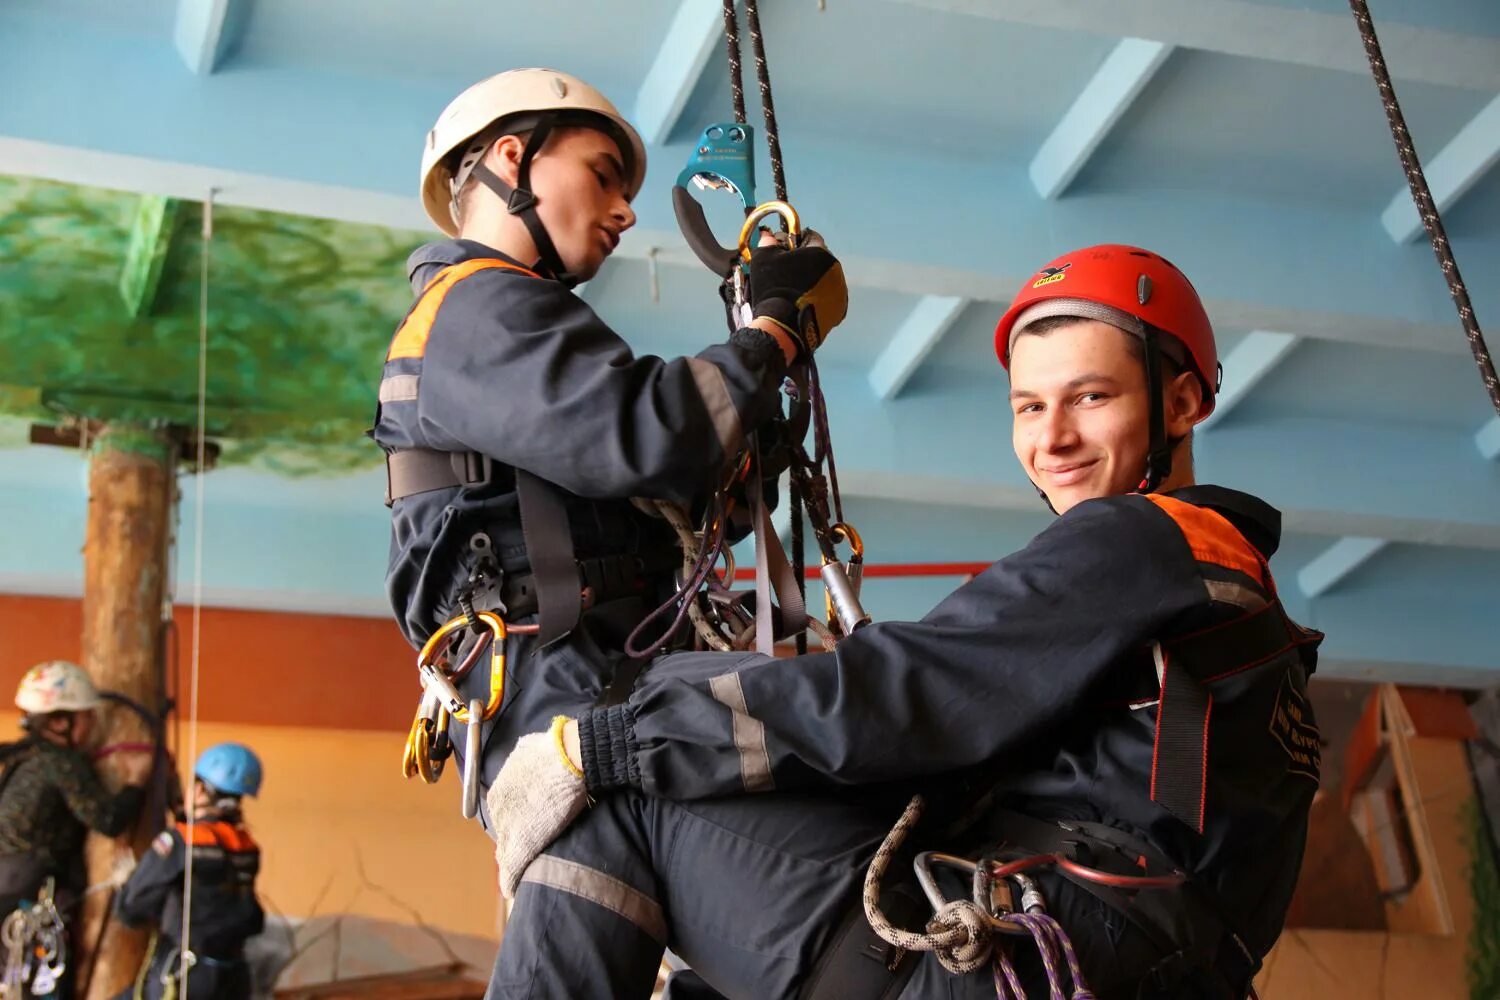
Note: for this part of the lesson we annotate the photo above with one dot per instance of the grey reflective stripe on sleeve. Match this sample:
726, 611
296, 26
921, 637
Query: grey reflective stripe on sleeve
721, 409
606, 890
1237, 594
398, 388
749, 733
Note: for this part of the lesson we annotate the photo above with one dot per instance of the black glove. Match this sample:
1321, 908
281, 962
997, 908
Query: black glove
802, 290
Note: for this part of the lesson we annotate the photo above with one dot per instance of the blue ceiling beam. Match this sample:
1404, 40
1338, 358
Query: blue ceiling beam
696, 28
1274, 32
1488, 439
206, 32
1102, 102
1337, 561
1456, 168
919, 333
288, 135
1251, 360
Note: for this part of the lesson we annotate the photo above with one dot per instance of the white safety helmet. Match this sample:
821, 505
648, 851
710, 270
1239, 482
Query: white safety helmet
56, 686
518, 99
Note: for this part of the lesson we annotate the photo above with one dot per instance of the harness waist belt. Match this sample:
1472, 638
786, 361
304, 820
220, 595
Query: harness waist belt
422, 470
600, 579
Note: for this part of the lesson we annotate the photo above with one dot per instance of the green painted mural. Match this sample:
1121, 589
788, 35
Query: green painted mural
99, 318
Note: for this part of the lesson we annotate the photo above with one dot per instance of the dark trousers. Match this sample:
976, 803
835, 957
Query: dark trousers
749, 892
207, 978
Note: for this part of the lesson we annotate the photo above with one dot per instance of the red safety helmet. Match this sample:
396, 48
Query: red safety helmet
1134, 287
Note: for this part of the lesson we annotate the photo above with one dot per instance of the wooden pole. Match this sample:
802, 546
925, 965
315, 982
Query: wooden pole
132, 497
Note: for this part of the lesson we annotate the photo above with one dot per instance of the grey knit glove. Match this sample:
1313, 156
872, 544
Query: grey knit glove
536, 795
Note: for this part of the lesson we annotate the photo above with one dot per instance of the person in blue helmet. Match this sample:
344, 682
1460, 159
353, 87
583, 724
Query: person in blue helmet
206, 942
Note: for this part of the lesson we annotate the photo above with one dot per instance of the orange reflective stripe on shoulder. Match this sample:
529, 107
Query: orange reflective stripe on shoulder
411, 336
1211, 537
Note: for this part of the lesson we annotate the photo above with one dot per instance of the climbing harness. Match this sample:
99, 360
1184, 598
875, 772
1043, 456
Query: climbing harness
36, 947
1421, 195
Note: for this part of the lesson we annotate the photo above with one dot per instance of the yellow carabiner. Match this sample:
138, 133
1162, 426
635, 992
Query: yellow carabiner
496, 625
788, 214
844, 532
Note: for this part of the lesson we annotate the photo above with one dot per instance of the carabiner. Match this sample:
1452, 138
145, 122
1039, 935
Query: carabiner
433, 676
788, 215
472, 751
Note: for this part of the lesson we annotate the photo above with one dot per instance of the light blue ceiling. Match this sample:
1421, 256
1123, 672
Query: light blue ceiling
1256, 157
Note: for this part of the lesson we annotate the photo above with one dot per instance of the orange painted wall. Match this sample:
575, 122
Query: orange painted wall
258, 667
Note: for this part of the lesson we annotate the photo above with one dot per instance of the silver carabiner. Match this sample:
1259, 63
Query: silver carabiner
472, 768
436, 684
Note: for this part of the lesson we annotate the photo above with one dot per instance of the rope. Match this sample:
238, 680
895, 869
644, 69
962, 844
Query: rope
763, 79
197, 643
958, 933
1422, 195
963, 933
736, 75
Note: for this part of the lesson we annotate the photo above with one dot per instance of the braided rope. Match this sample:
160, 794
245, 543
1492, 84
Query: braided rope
1421, 194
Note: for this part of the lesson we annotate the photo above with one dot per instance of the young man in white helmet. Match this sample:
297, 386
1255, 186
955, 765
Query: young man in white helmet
1120, 708
518, 425
50, 796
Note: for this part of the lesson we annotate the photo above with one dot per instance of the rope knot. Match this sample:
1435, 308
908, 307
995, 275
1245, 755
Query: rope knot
971, 951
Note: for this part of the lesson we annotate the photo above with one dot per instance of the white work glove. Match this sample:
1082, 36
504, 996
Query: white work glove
536, 795
121, 871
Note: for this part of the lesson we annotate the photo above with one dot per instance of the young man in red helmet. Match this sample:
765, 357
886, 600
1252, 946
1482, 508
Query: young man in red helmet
1125, 693
517, 425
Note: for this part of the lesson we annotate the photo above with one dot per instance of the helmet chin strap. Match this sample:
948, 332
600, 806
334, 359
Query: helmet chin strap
1159, 450
521, 202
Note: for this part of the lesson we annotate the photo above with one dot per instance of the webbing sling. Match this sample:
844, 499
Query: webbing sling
549, 549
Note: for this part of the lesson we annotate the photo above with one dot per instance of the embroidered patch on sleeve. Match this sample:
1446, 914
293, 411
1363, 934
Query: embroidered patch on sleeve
162, 844
1294, 727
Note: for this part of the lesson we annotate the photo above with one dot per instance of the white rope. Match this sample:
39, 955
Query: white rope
202, 432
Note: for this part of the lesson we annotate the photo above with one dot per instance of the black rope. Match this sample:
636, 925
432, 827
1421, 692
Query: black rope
799, 559
763, 78
1431, 220
736, 75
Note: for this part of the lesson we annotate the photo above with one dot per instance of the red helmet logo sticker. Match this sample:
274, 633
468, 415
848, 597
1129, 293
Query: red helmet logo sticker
1050, 275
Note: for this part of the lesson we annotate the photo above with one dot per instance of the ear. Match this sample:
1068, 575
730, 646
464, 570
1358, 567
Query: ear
504, 158
1182, 399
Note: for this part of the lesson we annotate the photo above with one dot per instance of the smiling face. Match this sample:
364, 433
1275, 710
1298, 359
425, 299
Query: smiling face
1082, 413
579, 181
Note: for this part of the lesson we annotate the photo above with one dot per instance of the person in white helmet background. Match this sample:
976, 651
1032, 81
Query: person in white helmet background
518, 425
224, 911
50, 795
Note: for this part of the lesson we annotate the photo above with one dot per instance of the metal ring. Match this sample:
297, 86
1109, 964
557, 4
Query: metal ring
788, 215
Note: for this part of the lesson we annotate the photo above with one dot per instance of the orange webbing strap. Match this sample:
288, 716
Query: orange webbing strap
234, 839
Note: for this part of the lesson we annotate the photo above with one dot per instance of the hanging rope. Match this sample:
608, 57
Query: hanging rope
768, 106
736, 75
1432, 221
201, 456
